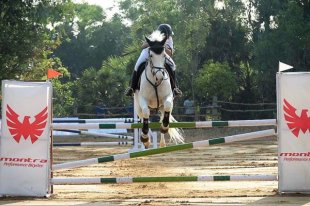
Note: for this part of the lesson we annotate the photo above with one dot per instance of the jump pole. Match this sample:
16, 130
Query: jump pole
81, 144
197, 144
85, 121
106, 180
156, 125
115, 136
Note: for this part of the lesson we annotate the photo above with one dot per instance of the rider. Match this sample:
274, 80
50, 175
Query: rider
170, 66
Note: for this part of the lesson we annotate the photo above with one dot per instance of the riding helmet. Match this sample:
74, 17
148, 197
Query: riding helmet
165, 29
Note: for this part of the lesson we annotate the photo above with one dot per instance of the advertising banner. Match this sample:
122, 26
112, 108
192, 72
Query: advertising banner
25, 138
293, 97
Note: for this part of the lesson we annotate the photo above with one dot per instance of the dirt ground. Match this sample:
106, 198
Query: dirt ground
247, 157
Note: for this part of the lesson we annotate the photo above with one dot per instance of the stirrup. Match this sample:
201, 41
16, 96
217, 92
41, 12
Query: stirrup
129, 92
177, 92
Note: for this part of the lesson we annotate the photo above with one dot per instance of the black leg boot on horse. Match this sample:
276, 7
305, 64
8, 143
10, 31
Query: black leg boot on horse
145, 139
176, 91
165, 123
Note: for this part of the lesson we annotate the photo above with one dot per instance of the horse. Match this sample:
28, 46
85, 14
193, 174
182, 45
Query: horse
155, 92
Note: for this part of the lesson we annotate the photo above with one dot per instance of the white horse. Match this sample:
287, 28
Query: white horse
155, 92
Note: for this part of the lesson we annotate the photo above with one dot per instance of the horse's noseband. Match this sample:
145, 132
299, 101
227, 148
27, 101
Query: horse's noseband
155, 70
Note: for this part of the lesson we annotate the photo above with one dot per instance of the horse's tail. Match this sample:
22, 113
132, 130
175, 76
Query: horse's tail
176, 134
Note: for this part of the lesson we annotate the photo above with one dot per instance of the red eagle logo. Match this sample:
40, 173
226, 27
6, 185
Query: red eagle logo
25, 128
295, 122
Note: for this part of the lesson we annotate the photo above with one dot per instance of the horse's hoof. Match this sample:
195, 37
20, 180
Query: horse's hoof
161, 144
163, 129
147, 144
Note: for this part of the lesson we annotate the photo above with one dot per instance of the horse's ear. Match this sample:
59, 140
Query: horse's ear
148, 41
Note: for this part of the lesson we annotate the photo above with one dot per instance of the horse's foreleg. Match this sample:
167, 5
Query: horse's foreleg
165, 123
168, 104
145, 128
144, 135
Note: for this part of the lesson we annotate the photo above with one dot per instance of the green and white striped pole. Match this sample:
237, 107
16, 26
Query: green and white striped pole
106, 180
203, 143
156, 125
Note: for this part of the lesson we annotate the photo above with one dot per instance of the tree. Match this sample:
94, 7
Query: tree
25, 37
189, 21
215, 79
91, 39
104, 87
285, 38
63, 101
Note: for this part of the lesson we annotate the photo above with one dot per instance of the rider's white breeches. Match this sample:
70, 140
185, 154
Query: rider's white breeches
145, 55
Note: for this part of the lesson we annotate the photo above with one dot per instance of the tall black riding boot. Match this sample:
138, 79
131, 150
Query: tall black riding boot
134, 84
176, 91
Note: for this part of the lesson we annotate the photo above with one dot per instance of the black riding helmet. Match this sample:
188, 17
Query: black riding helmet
165, 29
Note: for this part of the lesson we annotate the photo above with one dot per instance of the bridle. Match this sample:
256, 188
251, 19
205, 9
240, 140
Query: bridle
154, 71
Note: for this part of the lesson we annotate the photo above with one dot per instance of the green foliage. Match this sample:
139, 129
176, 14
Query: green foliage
24, 34
91, 39
247, 84
104, 87
189, 21
63, 102
287, 40
27, 41
227, 40
215, 79
113, 80
87, 88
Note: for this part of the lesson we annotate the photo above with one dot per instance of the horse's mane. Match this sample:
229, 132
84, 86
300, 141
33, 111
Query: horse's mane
156, 36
